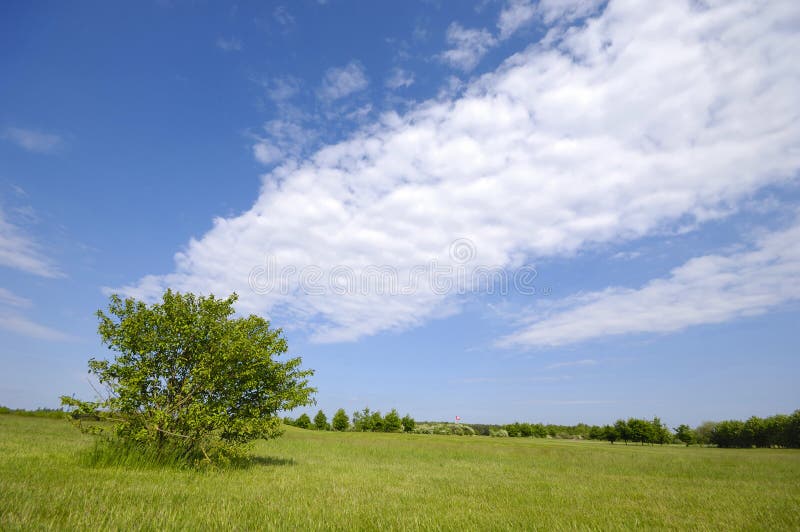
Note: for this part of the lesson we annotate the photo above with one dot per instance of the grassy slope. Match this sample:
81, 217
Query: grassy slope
309, 480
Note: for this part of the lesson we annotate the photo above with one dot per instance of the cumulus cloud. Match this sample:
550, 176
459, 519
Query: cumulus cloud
32, 140
343, 81
468, 46
708, 289
640, 119
20, 251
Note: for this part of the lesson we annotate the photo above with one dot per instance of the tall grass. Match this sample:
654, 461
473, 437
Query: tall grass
312, 480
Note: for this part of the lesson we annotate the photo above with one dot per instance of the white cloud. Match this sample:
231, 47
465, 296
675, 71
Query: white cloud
229, 45
267, 153
515, 14
708, 289
282, 139
565, 11
400, 78
11, 299
34, 141
283, 88
573, 363
19, 251
468, 46
643, 119
12, 321
343, 81
21, 325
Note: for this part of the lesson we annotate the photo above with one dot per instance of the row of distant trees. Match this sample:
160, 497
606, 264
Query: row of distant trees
774, 431
362, 421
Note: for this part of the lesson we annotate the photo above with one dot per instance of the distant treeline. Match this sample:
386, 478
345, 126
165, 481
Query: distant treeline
363, 421
775, 431
39, 412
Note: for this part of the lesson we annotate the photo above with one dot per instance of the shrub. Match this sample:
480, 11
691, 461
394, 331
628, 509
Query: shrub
188, 377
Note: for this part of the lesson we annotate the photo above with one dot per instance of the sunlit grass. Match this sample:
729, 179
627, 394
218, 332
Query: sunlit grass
308, 480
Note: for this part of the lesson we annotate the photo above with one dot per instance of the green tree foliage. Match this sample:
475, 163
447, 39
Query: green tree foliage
340, 420
623, 431
610, 433
303, 422
704, 431
321, 421
363, 421
685, 434
408, 423
189, 376
392, 422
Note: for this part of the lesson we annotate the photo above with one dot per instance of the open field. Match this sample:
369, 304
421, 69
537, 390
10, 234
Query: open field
312, 480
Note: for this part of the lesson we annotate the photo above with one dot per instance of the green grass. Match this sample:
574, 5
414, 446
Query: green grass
319, 480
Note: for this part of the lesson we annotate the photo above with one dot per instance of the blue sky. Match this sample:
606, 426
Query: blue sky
630, 172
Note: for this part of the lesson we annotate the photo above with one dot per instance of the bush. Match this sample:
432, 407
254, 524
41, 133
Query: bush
189, 377
499, 433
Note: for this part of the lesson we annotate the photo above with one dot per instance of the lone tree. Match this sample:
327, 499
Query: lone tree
189, 378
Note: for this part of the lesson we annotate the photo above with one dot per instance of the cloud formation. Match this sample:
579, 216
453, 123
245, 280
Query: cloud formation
34, 141
19, 251
400, 78
708, 289
343, 81
639, 119
467, 46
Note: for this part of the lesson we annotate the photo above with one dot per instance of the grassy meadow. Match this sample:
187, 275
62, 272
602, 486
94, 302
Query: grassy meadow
327, 480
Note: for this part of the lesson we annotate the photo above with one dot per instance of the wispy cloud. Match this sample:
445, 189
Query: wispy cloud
282, 88
708, 289
230, 45
343, 81
20, 251
400, 78
11, 320
517, 14
34, 141
572, 364
9, 298
282, 16
512, 380
467, 46
23, 326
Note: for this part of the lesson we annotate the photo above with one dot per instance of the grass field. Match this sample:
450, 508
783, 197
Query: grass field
323, 480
